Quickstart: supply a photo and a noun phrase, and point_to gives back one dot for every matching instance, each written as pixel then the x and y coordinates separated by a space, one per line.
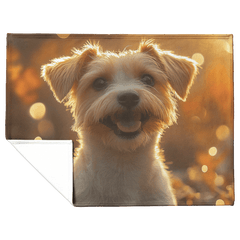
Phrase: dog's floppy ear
pixel 62 72
pixel 180 71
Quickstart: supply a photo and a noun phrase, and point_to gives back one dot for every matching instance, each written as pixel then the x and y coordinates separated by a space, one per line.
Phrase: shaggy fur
pixel 121 103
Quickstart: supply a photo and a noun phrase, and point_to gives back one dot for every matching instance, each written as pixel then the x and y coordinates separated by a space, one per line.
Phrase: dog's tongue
pixel 131 126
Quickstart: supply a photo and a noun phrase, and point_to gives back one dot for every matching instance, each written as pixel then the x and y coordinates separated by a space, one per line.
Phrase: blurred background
pixel 198 149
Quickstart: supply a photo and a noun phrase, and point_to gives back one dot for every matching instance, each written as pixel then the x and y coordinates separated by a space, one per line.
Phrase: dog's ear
pixel 62 72
pixel 180 71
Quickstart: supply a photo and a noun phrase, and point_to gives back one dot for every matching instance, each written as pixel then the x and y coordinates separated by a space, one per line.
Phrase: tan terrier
pixel 121 103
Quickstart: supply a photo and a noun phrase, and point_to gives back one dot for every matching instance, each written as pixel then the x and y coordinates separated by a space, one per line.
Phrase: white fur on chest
pixel 103 176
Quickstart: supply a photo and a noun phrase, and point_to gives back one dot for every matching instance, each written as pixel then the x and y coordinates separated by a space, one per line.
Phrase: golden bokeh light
pixel 198 195
pixel 37 138
pixel 189 202
pixel 222 132
pixel 198 57
pixel 37 110
pixel 204 168
pixel 212 151
pixel 194 173
pixel 219 181
pixel 63 35
pixel 191 173
pixel 46 128
pixel 220 202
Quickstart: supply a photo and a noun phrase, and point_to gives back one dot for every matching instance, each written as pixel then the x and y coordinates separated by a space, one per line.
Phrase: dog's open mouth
pixel 126 125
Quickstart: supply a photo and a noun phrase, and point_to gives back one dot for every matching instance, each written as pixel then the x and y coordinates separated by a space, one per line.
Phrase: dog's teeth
pixel 133 127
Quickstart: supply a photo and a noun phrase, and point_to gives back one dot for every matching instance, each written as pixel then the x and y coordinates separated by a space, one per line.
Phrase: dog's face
pixel 122 99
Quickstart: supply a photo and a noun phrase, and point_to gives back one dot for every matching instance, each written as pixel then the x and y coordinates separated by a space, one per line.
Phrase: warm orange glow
pixel 189 202
pixel 14 71
pixel 196 119
pixel 37 110
pixel 204 168
pixel 31 77
pixel 198 57
pixel 37 138
pixel 212 151
pixel 194 106
pixel 46 128
pixel 219 181
pixel 222 132
pixel 198 195
pixel 204 132
pixel 192 173
pixel 21 88
pixel 26 83
pixel 220 87
pixel 220 202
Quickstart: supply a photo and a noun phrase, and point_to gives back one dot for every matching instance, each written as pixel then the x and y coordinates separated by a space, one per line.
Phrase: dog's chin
pixel 126 126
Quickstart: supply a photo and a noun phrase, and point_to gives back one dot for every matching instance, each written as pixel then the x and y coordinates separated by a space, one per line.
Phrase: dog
pixel 121 103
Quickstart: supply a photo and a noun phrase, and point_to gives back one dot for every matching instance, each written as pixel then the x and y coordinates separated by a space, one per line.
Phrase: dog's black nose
pixel 128 99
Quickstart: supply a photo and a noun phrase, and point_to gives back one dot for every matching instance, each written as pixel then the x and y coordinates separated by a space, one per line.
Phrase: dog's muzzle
pixel 126 125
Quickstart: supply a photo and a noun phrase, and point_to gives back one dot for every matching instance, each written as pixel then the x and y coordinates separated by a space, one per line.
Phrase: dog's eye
pixel 148 80
pixel 100 84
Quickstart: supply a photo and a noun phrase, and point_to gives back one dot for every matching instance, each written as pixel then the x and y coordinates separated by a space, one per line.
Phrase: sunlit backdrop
pixel 198 150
